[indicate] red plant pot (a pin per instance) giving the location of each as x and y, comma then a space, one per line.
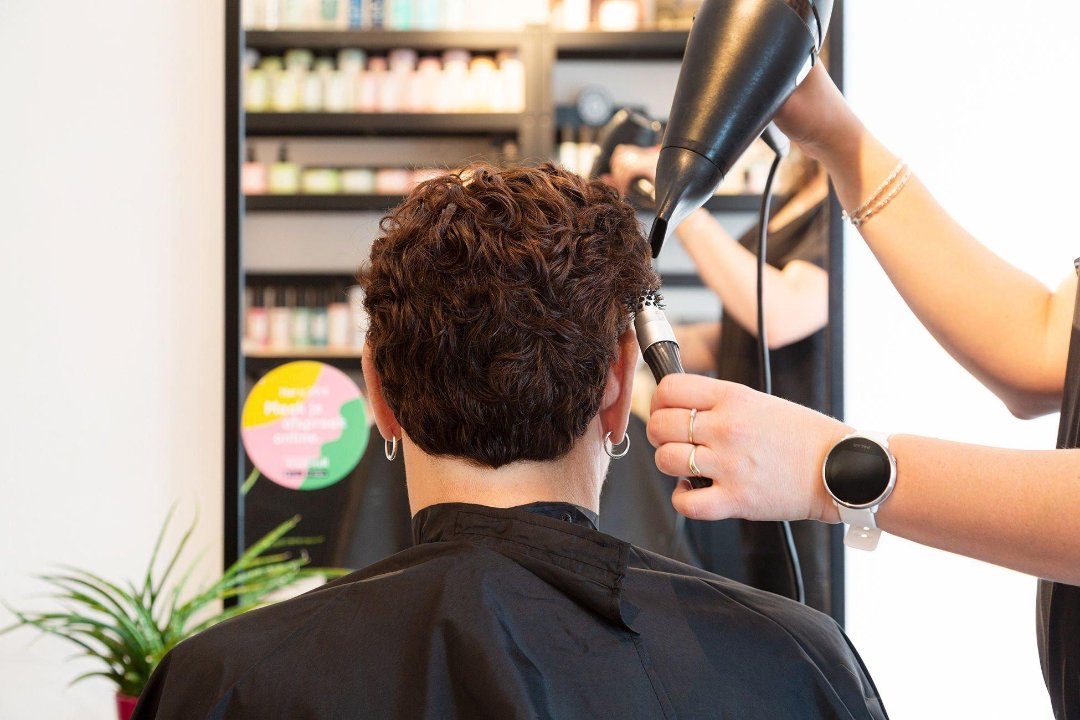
125, 705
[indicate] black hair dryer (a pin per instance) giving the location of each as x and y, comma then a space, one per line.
743, 60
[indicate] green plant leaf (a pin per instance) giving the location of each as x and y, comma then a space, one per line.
147, 585
227, 579
132, 633
156, 591
250, 482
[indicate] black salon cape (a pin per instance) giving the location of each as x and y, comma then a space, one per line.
513, 613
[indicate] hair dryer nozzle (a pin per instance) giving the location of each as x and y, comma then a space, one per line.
685, 179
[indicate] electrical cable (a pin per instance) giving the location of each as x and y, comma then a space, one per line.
764, 369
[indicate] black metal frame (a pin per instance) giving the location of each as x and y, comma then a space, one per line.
539, 49
234, 284
834, 335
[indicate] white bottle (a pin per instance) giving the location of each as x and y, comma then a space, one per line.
568, 149
575, 14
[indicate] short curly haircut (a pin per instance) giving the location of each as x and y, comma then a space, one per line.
495, 301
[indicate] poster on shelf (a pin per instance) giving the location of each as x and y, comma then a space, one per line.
304, 425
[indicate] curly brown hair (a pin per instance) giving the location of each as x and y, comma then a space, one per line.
495, 301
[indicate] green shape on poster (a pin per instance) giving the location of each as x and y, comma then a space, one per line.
344, 453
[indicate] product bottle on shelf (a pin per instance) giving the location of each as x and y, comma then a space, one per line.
252, 174
284, 175
587, 149
379, 78
256, 84
292, 13
427, 15
318, 327
338, 335
356, 14
453, 89
619, 15
377, 13
568, 149
300, 332
455, 13
256, 320
576, 14
399, 14
280, 321
485, 89
512, 77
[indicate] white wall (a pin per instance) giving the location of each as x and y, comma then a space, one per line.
977, 98
111, 246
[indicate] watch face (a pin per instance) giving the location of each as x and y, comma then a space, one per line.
858, 472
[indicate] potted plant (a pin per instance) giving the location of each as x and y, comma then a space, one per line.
130, 627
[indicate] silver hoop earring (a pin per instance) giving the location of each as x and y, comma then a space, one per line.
390, 450
610, 449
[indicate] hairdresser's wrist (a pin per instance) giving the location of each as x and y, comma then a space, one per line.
838, 146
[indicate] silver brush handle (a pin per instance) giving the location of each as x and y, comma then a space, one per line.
661, 353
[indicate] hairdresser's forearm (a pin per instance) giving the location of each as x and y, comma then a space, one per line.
796, 298
699, 347
1004, 326
1015, 508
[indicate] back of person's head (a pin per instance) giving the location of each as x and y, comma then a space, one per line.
495, 300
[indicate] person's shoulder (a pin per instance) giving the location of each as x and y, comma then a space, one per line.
767, 632
199, 673
698, 582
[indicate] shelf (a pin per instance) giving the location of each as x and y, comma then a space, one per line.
587, 44
259, 362
273, 124
338, 277
383, 203
310, 353
629, 45
321, 203
737, 203
424, 40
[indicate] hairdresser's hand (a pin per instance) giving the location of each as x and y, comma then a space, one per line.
630, 162
817, 118
763, 454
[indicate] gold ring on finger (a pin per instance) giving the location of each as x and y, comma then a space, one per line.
693, 416
695, 471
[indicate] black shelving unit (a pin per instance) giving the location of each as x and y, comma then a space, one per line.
270, 41
262, 362
321, 124
633, 45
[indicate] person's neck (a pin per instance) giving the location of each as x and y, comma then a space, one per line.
574, 478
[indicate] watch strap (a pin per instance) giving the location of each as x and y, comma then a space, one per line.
862, 532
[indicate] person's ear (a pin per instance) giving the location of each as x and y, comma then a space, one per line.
618, 394
384, 416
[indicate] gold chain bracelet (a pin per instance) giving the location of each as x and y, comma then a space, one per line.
883, 195
858, 221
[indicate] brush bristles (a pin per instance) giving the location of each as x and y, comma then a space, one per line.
646, 299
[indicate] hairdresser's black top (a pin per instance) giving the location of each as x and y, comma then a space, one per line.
518, 613
754, 552
1059, 604
798, 369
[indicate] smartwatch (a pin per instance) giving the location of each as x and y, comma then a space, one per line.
860, 474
